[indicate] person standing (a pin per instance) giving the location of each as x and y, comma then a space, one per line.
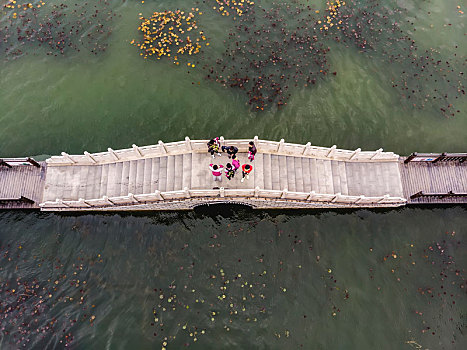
252, 151
216, 171
229, 171
246, 170
235, 162
214, 146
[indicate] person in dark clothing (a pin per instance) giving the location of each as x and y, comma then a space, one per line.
252, 151
231, 150
213, 147
229, 171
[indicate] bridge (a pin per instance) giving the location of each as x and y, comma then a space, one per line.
175, 176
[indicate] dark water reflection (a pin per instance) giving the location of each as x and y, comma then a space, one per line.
235, 278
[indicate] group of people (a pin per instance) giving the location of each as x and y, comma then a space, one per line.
214, 148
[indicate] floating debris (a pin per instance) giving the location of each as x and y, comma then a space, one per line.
170, 33
57, 27
237, 7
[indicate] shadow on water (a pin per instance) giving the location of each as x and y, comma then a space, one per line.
234, 211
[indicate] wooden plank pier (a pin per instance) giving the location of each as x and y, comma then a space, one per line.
175, 176
434, 178
22, 182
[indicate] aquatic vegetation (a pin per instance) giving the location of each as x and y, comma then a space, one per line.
229, 294
437, 294
170, 33
272, 48
57, 27
31, 305
238, 7
13, 4
332, 18
270, 51
421, 74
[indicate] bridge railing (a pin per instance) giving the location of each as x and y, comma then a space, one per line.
187, 146
436, 157
222, 194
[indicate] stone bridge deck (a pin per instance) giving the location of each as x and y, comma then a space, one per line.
176, 172
176, 176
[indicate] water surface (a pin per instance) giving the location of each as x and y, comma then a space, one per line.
385, 279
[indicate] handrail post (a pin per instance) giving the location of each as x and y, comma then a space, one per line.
385, 197
67, 157
113, 154
25, 199
331, 151
257, 191
90, 157
284, 193
137, 150
281, 144
440, 157
336, 197
355, 153
159, 195
222, 192
33, 162
359, 199
83, 202
256, 141
107, 200
409, 158
187, 192
132, 198
306, 148
2, 162
416, 195
60, 202
311, 195
188, 143
164, 148
377, 153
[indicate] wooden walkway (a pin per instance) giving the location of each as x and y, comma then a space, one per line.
428, 177
190, 170
22, 181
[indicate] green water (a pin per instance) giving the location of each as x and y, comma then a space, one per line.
80, 101
314, 280
319, 280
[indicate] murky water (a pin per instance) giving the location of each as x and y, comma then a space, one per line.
236, 279
231, 278
84, 101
